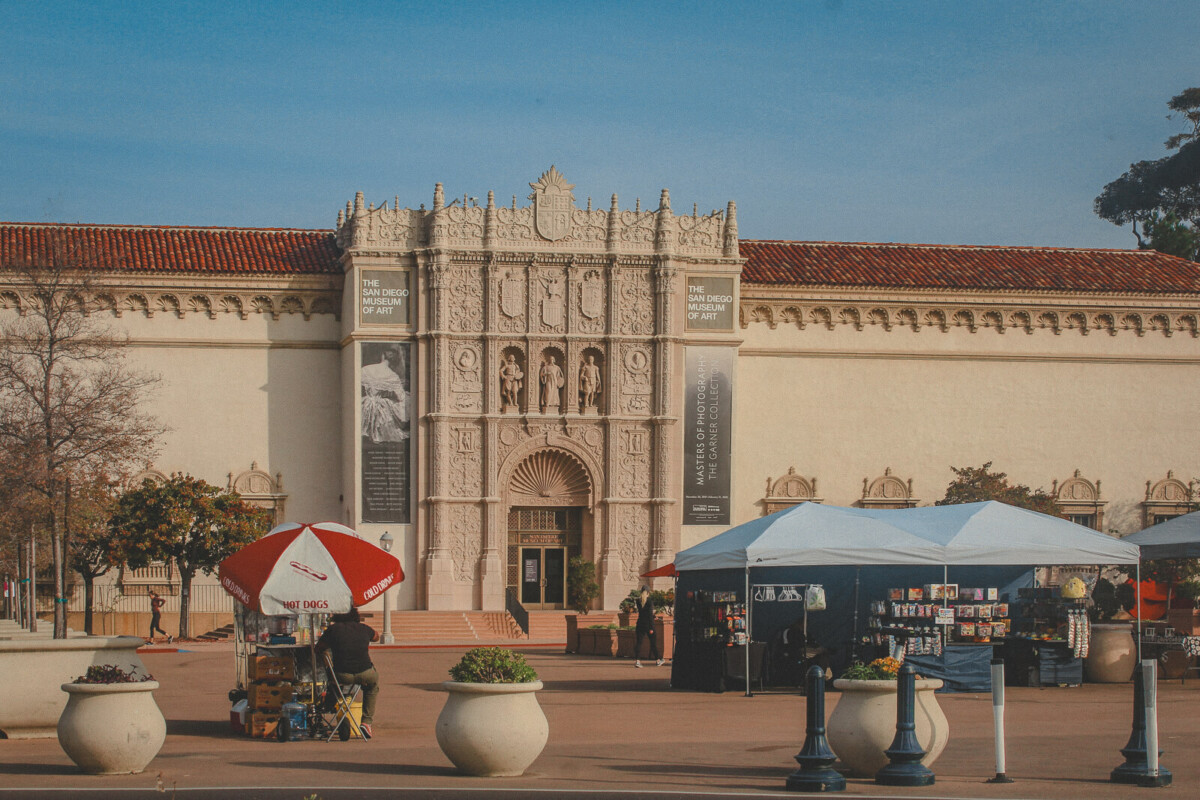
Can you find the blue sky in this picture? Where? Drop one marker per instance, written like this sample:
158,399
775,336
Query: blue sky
956,122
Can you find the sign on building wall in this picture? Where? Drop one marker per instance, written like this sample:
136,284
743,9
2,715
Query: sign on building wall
383,297
709,303
386,414
707,435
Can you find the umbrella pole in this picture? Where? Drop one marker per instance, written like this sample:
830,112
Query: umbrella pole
749,613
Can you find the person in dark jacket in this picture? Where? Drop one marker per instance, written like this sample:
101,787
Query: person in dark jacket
645,627
347,639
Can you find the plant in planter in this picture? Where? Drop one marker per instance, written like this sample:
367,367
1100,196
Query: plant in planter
863,723
492,724
582,588
1112,653
111,724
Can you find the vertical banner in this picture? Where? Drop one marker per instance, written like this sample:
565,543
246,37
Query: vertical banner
707,432
386,414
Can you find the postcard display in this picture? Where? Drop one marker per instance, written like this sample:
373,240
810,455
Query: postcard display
945,630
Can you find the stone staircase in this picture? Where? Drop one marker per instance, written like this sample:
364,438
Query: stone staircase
473,627
10,631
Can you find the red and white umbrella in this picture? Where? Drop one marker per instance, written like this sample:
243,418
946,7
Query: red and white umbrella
319,567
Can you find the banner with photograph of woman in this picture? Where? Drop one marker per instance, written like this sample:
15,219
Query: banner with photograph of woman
385,428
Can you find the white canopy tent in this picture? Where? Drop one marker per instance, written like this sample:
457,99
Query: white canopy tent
988,533
1175,538
985,534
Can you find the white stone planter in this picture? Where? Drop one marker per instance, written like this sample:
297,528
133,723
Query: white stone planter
863,723
36,669
492,729
1112,653
111,728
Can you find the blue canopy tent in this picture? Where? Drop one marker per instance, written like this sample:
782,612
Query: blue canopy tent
971,534
1175,538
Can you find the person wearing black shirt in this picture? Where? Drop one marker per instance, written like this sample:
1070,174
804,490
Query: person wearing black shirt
347,640
645,627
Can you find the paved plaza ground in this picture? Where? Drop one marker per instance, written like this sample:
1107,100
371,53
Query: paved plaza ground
614,731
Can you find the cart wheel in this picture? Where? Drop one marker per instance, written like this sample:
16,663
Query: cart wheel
344,730
282,730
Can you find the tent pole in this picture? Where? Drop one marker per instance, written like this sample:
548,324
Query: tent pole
1139,612
749,618
854,633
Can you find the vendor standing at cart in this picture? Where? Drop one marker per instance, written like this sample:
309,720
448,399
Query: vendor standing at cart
347,640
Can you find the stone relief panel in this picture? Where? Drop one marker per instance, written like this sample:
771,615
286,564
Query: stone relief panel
510,300
633,461
637,302
549,288
466,460
591,436
590,306
464,224
699,234
465,302
633,539
789,490
588,227
637,384
465,527
508,436
887,491
466,385
637,228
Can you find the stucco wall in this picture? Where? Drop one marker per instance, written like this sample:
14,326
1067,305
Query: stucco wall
842,405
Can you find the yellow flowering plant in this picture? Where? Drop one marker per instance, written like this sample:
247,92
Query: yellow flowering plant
881,669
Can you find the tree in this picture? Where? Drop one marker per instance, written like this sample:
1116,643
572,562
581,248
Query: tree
93,552
68,402
184,520
976,484
1163,195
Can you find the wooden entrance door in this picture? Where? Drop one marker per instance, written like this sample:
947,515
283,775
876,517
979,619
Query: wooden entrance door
540,542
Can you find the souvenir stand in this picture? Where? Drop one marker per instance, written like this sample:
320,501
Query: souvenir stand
286,587
857,555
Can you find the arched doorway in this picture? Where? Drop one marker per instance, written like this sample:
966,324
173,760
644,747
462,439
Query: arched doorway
540,543
549,492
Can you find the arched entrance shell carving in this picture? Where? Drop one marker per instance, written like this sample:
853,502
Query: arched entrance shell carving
554,473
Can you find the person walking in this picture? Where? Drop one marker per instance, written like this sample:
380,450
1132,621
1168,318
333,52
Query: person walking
347,640
156,607
645,627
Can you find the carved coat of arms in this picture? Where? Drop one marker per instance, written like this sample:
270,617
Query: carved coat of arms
591,301
552,205
511,301
552,303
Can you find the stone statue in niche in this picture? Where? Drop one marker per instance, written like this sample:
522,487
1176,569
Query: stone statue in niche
589,383
510,383
551,376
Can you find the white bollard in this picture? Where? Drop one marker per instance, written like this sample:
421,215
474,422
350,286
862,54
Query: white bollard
998,720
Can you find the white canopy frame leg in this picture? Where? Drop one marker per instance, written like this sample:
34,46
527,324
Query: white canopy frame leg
749,620
1138,601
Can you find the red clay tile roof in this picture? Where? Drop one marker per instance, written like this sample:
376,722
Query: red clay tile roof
173,250
921,266
918,266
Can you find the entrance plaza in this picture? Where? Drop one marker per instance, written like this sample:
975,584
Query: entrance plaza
614,731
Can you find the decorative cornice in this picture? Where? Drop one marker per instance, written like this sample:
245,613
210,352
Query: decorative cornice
1025,312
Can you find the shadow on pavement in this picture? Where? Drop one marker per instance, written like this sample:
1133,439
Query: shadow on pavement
39,769
209,728
350,766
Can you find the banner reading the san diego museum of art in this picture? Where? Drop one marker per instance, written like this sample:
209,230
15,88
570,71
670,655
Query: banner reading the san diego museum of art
707,434
386,411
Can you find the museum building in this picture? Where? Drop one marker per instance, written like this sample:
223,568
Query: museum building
502,386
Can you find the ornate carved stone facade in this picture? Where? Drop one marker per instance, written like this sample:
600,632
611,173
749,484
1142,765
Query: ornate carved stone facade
543,337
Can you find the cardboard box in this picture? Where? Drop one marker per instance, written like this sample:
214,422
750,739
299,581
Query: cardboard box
271,668
263,724
269,696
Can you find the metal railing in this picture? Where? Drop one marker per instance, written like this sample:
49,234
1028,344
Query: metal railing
205,598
